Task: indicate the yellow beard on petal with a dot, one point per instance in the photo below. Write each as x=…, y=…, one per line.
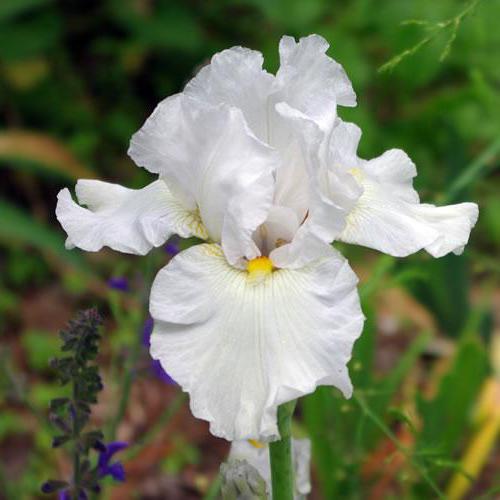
x=256, y=444
x=259, y=268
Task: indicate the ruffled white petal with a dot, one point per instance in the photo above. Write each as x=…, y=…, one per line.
x=215, y=164
x=241, y=348
x=342, y=146
x=258, y=457
x=311, y=81
x=127, y=220
x=292, y=178
x=235, y=77
x=331, y=192
x=388, y=216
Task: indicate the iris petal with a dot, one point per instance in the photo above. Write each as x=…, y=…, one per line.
x=388, y=216
x=128, y=220
x=242, y=348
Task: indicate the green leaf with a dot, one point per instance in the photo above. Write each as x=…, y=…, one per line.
x=48, y=154
x=383, y=392
x=30, y=37
x=450, y=303
x=320, y=412
x=11, y=8
x=472, y=172
x=18, y=227
x=446, y=416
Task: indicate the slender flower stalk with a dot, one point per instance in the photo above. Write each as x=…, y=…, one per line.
x=280, y=454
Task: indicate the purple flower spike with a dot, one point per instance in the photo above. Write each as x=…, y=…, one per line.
x=115, y=470
x=119, y=283
x=64, y=495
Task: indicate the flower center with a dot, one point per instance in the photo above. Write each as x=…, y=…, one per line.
x=259, y=268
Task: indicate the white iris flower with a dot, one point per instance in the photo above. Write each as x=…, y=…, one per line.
x=261, y=167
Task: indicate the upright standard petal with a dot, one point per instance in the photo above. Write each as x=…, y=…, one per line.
x=127, y=220
x=235, y=77
x=241, y=347
x=388, y=216
x=214, y=164
x=331, y=193
x=311, y=81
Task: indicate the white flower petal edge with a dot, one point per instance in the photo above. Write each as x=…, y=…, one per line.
x=388, y=216
x=312, y=82
x=235, y=77
x=215, y=164
x=127, y=220
x=257, y=455
x=241, y=348
x=307, y=80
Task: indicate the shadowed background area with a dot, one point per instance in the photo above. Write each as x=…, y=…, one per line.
x=77, y=79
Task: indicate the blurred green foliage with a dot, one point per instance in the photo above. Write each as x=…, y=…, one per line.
x=83, y=76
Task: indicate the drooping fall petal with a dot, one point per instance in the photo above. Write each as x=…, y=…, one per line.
x=242, y=347
x=389, y=217
x=128, y=220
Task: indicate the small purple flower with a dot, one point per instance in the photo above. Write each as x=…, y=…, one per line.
x=156, y=367
x=104, y=468
x=172, y=246
x=119, y=283
x=115, y=470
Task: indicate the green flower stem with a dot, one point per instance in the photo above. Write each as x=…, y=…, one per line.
x=280, y=453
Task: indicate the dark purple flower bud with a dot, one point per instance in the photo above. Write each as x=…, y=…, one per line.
x=119, y=283
x=100, y=446
x=53, y=485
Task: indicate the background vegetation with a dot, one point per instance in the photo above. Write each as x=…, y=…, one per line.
x=77, y=78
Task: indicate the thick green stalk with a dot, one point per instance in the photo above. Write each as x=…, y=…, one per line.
x=280, y=453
